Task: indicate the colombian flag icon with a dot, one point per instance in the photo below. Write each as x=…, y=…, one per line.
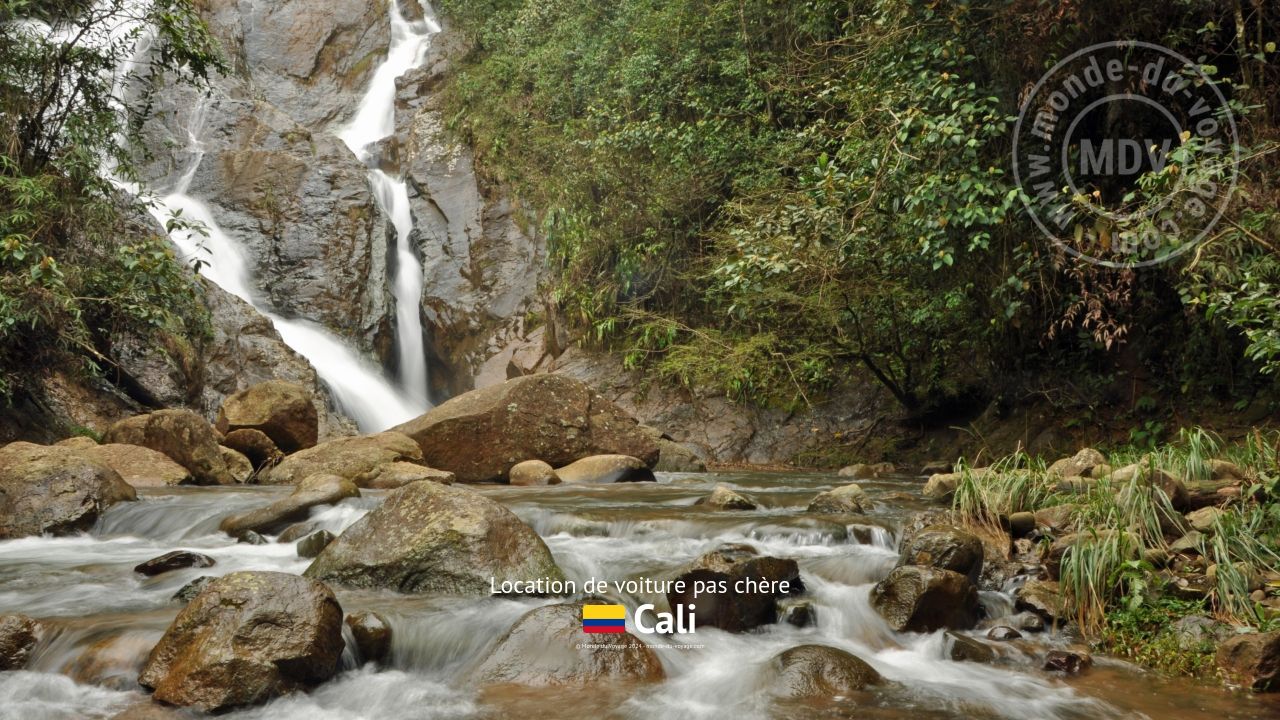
x=604, y=619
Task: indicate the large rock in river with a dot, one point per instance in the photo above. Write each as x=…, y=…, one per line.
x=428, y=537
x=54, y=490
x=545, y=648
x=315, y=490
x=850, y=498
x=283, y=411
x=604, y=469
x=480, y=435
x=764, y=580
x=245, y=638
x=180, y=434
x=820, y=672
x=18, y=637
x=925, y=599
x=946, y=548
x=139, y=466
x=358, y=459
x=1252, y=661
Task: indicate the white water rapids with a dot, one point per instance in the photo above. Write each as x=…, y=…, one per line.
x=106, y=618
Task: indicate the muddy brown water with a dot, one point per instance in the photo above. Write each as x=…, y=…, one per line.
x=106, y=618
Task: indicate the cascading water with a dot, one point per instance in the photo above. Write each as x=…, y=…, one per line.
x=373, y=122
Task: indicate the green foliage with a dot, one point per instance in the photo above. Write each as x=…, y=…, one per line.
x=1143, y=632
x=76, y=263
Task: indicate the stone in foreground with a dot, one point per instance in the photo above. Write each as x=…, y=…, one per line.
x=946, y=548
x=924, y=599
x=54, y=490
x=752, y=605
x=427, y=537
x=315, y=490
x=481, y=434
x=820, y=672
x=546, y=647
x=175, y=560
x=245, y=638
x=723, y=498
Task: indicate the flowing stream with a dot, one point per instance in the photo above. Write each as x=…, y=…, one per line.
x=106, y=618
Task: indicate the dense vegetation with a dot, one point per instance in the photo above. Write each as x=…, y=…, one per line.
x=763, y=198
x=1132, y=566
x=79, y=265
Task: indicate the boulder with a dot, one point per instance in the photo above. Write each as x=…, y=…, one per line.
x=1203, y=519
x=79, y=442
x=1021, y=524
x=1224, y=471
x=963, y=648
x=187, y=592
x=398, y=474
x=866, y=471
x=255, y=445
x=946, y=548
x=546, y=648
x=1042, y=597
x=722, y=498
x=797, y=612
x=427, y=537
x=175, y=560
x=1172, y=487
x=738, y=609
x=18, y=637
x=479, y=435
x=1251, y=661
x=283, y=411
x=1070, y=661
x=942, y=486
x=1077, y=465
x=54, y=490
x=1003, y=633
x=315, y=543
x=237, y=464
x=820, y=672
x=139, y=466
x=678, y=457
x=532, y=473
x=372, y=634
x=180, y=434
x=296, y=532
x=315, y=490
x=924, y=599
x=604, y=469
x=850, y=499
x=245, y=638
x=358, y=459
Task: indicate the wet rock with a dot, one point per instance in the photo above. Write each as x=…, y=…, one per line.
x=741, y=607
x=604, y=469
x=820, y=672
x=532, y=473
x=175, y=560
x=183, y=436
x=237, y=464
x=808, y=530
x=797, y=613
x=1027, y=621
x=946, y=548
x=963, y=648
x=722, y=498
x=254, y=445
x=245, y=638
x=315, y=543
x=546, y=647
x=1251, y=661
x=427, y=537
x=1203, y=519
x=866, y=471
x=283, y=411
x=358, y=459
x=923, y=599
x=315, y=490
x=18, y=637
x=372, y=634
x=1042, y=597
x=54, y=490
x=678, y=457
x=1003, y=633
x=848, y=499
x=1070, y=661
x=296, y=532
x=479, y=435
x=1077, y=465
x=193, y=588
x=250, y=537
x=398, y=474
x=139, y=466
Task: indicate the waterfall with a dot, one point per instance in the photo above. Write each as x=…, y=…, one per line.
x=373, y=122
x=360, y=388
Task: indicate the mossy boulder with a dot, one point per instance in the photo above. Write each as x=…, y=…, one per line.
x=54, y=490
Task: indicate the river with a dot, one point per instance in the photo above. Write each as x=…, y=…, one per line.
x=106, y=618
